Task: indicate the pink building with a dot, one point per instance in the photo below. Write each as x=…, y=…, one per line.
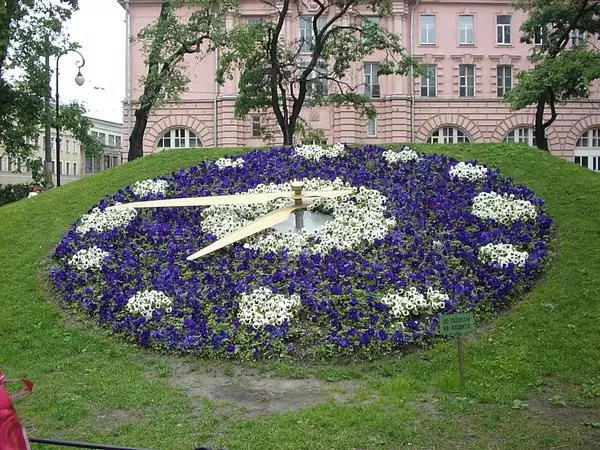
x=472, y=50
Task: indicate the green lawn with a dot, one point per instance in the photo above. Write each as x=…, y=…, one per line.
x=532, y=375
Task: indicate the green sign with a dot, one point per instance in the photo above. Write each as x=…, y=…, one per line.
x=457, y=323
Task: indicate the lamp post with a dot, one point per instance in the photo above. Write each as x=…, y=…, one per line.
x=79, y=80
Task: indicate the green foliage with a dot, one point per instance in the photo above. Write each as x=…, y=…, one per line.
x=28, y=32
x=562, y=71
x=569, y=75
x=72, y=118
x=284, y=75
x=165, y=44
x=13, y=192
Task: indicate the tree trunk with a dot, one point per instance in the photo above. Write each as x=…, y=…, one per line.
x=136, y=140
x=540, y=129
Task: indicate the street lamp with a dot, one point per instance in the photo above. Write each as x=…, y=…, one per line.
x=79, y=80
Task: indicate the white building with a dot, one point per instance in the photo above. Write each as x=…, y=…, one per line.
x=73, y=163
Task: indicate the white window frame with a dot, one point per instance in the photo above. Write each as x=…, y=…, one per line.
x=178, y=138
x=313, y=77
x=305, y=24
x=448, y=135
x=578, y=37
x=523, y=135
x=587, y=150
x=504, y=81
x=371, y=72
x=372, y=127
x=466, y=80
x=427, y=29
x=466, y=30
x=255, y=127
x=540, y=36
x=504, y=30
x=429, y=81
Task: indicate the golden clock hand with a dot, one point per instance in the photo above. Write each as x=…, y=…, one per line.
x=242, y=199
x=260, y=224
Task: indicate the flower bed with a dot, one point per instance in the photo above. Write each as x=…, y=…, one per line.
x=421, y=240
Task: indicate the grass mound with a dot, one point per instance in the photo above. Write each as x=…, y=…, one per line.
x=521, y=370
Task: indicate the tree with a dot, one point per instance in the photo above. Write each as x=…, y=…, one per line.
x=30, y=30
x=284, y=75
x=165, y=43
x=564, y=66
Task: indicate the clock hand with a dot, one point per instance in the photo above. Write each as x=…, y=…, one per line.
x=260, y=224
x=242, y=199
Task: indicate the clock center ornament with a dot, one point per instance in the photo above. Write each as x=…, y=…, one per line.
x=303, y=252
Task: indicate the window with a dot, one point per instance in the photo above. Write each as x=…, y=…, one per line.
x=1, y=163
x=504, y=77
x=503, y=24
x=102, y=137
x=10, y=164
x=179, y=138
x=256, y=128
x=74, y=168
x=521, y=135
x=106, y=162
x=89, y=165
x=67, y=145
x=465, y=30
x=255, y=20
x=540, y=36
x=372, y=127
x=117, y=141
x=370, y=22
x=307, y=37
x=578, y=37
x=97, y=164
x=68, y=172
x=587, y=150
x=427, y=29
x=111, y=140
x=466, y=80
x=372, y=80
x=447, y=135
x=316, y=82
x=429, y=81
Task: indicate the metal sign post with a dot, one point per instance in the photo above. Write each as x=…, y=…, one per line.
x=458, y=324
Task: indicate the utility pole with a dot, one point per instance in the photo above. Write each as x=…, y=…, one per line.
x=48, y=123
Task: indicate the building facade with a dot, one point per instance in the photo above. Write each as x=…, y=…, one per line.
x=472, y=51
x=73, y=162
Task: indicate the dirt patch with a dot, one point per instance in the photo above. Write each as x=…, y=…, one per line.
x=571, y=414
x=252, y=394
x=110, y=419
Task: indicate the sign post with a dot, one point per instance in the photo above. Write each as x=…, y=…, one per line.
x=458, y=324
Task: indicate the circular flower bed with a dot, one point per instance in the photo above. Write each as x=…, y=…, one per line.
x=418, y=237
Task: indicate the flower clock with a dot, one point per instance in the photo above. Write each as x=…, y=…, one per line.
x=303, y=252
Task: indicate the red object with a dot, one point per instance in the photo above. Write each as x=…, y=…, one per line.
x=12, y=433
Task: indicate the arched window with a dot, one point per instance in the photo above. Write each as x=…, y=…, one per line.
x=448, y=135
x=524, y=135
x=179, y=138
x=587, y=149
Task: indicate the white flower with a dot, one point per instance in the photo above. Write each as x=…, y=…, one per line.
x=316, y=152
x=357, y=219
x=144, y=302
x=108, y=219
x=411, y=301
x=502, y=255
x=468, y=171
x=505, y=209
x=144, y=188
x=261, y=307
x=404, y=155
x=228, y=162
x=88, y=258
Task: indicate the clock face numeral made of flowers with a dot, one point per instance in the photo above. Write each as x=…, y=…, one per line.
x=220, y=259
